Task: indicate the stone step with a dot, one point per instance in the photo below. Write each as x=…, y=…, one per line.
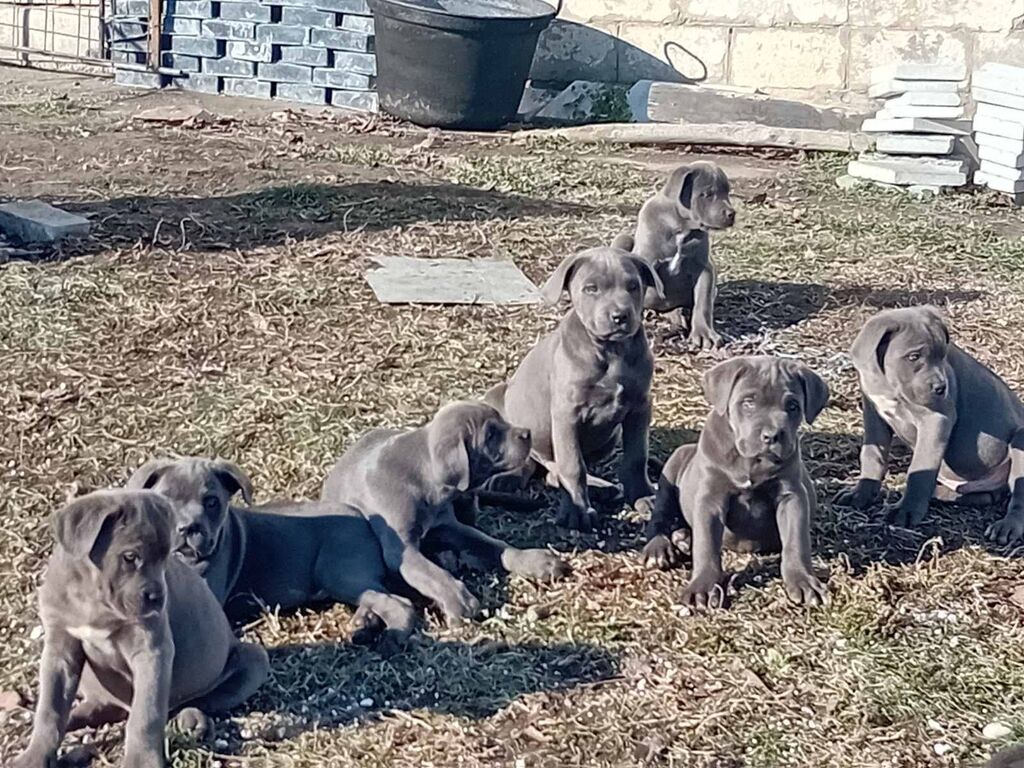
x=1004, y=128
x=895, y=87
x=936, y=164
x=999, y=77
x=926, y=99
x=915, y=144
x=998, y=184
x=33, y=221
x=906, y=175
x=986, y=96
x=895, y=109
x=1001, y=143
x=1012, y=159
x=1009, y=114
x=916, y=125
x=909, y=70
x=1001, y=171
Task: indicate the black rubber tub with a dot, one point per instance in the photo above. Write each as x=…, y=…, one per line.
x=456, y=63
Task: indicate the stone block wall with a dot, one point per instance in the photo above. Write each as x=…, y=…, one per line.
x=309, y=51
x=779, y=45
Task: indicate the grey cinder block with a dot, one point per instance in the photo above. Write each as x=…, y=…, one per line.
x=190, y=9
x=363, y=101
x=227, y=67
x=336, y=78
x=283, y=72
x=307, y=17
x=182, y=62
x=197, y=82
x=282, y=34
x=344, y=6
x=254, y=89
x=246, y=51
x=194, y=46
x=304, y=54
x=33, y=221
x=355, y=23
x=135, y=79
x=131, y=8
x=229, y=30
x=128, y=57
x=364, y=63
x=307, y=94
x=340, y=39
x=244, y=12
x=178, y=25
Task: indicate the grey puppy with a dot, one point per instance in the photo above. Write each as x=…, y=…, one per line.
x=406, y=483
x=588, y=382
x=744, y=483
x=284, y=554
x=672, y=236
x=965, y=425
x=131, y=629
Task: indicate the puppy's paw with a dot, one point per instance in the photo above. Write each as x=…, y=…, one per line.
x=904, y=514
x=804, y=588
x=460, y=607
x=706, y=339
x=705, y=591
x=391, y=643
x=661, y=553
x=577, y=518
x=645, y=505
x=536, y=564
x=194, y=723
x=366, y=627
x=609, y=496
x=30, y=759
x=861, y=496
x=1008, y=530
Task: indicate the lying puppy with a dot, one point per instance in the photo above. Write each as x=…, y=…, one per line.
x=133, y=630
x=588, y=382
x=965, y=425
x=743, y=484
x=672, y=236
x=405, y=483
x=285, y=554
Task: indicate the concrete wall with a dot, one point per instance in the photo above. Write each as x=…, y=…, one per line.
x=780, y=45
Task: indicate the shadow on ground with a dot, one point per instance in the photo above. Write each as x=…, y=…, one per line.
x=277, y=215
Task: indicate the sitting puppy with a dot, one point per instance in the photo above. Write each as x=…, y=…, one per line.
x=406, y=482
x=285, y=554
x=744, y=483
x=965, y=425
x=588, y=382
x=672, y=236
x=133, y=630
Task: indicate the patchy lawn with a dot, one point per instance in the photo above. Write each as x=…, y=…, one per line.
x=219, y=308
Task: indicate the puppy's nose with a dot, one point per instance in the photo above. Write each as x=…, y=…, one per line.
x=939, y=388
x=730, y=216
x=770, y=435
x=523, y=434
x=619, y=316
x=154, y=597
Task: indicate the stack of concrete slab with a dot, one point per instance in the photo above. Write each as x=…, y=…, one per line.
x=920, y=130
x=998, y=90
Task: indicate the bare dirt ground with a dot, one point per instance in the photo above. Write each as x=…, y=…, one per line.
x=219, y=307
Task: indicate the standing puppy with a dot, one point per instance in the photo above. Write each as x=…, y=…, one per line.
x=672, y=236
x=406, y=482
x=133, y=630
x=285, y=554
x=965, y=425
x=744, y=483
x=588, y=382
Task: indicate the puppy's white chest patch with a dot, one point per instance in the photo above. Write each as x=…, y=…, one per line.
x=886, y=406
x=95, y=637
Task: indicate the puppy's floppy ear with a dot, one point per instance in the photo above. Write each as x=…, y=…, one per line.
x=815, y=391
x=233, y=478
x=649, y=275
x=868, y=350
x=84, y=526
x=552, y=290
x=449, y=456
x=679, y=186
x=148, y=474
x=936, y=321
x=624, y=242
x=720, y=381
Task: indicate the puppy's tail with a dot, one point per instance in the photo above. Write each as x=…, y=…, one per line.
x=624, y=242
x=510, y=501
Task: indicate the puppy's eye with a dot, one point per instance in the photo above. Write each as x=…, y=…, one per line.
x=211, y=504
x=590, y=288
x=914, y=357
x=748, y=404
x=131, y=558
x=633, y=286
x=792, y=406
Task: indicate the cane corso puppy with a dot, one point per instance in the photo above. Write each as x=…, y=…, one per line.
x=131, y=629
x=744, y=484
x=964, y=424
x=280, y=555
x=587, y=384
x=405, y=484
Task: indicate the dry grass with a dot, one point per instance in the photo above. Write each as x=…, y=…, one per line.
x=219, y=308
